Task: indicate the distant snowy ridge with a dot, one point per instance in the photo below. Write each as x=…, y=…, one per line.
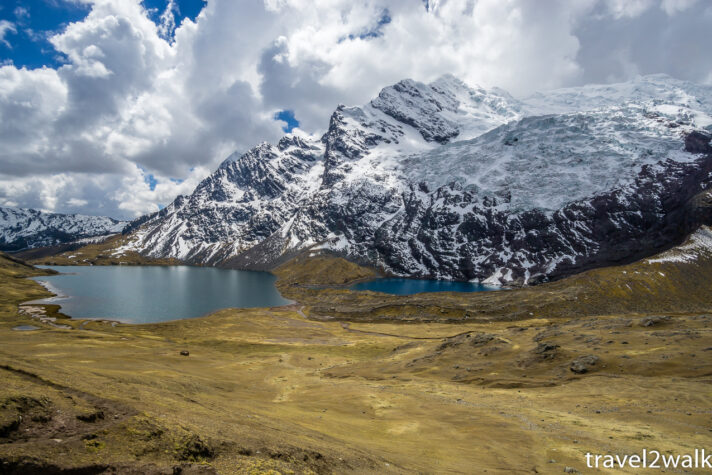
x=450, y=181
x=29, y=228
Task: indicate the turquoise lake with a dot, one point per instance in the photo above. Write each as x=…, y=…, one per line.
x=147, y=294
x=414, y=286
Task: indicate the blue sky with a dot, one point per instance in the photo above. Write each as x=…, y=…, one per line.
x=287, y=116
x=34, y=21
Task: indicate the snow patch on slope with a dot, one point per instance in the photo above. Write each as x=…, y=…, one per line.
x=699, y=244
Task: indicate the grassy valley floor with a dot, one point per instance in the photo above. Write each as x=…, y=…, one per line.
x=525, y=382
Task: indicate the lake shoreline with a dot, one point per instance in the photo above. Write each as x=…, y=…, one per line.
x=154, y=289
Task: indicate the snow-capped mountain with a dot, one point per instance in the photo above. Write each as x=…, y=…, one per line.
x=449, y=181
x=29, y=228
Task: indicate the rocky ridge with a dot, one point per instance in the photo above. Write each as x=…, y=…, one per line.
x=28, y=228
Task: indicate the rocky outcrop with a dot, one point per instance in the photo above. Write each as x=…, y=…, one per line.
x=584, y=364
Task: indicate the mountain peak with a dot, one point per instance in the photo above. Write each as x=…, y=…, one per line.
x=451, y=181
x=450, y=82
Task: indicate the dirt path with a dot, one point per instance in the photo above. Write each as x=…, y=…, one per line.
x=347, y=326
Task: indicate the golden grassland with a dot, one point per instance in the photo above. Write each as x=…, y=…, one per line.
x=104, y=253
x=521, y=381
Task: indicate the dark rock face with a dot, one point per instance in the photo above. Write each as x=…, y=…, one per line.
x=698, y=142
